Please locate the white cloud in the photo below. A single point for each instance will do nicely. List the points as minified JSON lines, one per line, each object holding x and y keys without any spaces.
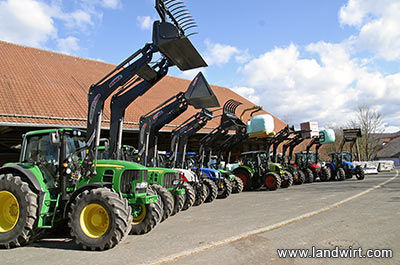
{"x":326,"y":89}
{"x":68,"y":45}
{"x":25,"y":22}
{"x":378,"y":23}
{"x":145,"y":22}
{"x":219,"y":54}
{"x":114,"y":4}
{"x":392,"y":129}
{"x":248,"y":93}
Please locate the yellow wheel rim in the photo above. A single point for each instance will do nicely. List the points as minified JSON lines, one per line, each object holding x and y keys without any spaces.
{"x":9,"y":211}
{"x":94,"y":220}
{"x":139,"y":213}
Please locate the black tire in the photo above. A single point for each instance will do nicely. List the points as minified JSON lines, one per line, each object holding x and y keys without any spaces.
{"x":237,"y":185}
{"x":119,"y":218}
{"x":309,"y":176}
{"x":190,"y":196}
{"x":200,"y":192}
{"x":23,"y":230}
{"x":167,"y":200}
{"x":245,"y":176}
{"x":153,"y":215}
{"x":289,"y":182}
{"x":360,"y":175}
{"x":325,"y":174}
{"x":212,"y":190}
{"x":272,"y":181}
{"x":226,"y":190}
{"x":341,"y":174}
{"x":301,"y":179}
{"x":179,"y":201}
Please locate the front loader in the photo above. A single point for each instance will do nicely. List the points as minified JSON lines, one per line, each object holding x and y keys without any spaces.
{"x":206,"y":190}
{"x":59,"y":179}
{"x":198,"y":95}
{"x":341,"y":165}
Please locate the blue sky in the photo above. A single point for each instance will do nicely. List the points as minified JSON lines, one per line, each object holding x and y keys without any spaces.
{"x":301,"y":60}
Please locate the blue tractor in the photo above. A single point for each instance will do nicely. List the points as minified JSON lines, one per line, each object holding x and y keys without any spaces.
{"x":341,"y":165}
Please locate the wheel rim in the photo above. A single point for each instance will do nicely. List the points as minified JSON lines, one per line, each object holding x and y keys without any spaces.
{"x":9,"y":211}
{"x":243,"y":178}
{"x":95,"y":220}
{"x":270,"y":181}
{"x":139,"y":213}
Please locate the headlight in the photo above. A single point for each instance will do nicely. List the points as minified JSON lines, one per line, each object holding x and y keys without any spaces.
{"x":141,"y":185}
{"x":68,"y":171}
{"x":175,"y":182}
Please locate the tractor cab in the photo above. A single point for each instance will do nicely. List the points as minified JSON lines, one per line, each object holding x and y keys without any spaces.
{"x":257,"y":161}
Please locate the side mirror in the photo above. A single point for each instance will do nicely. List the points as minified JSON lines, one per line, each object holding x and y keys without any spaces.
{"x":55,"y":138}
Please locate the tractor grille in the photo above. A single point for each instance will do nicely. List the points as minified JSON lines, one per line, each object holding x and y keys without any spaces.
{"x":168,"y":179}
{"x":128,"y":177}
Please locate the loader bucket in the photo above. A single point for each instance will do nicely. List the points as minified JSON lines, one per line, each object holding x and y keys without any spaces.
{"x":179,"y":50}
{"x":171,"y":36}
{"x":200,"y":94}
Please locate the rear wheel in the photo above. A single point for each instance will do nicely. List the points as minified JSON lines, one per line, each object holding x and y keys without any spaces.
{"x":212,"y":190}
{"x":309,"y":177}
{"x":167,"y":200}
{"x":341,"y":174}
{"x":201,"y":193}
{"x":325,"y":174}
{"x":146,"y":216}
{"x":226,"y":189}
{"x":237,"y":185}
{"x":245,"y":176}
{"x":272,"y":181}
{"x":360,"y":173}
{"x":99,"y":219}
{"x":190,"y":196}
{"x":18,"y":211}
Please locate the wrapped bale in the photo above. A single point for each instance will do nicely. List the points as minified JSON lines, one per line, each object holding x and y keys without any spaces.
{"x":327,"y":136}
{"x":261,"y":126}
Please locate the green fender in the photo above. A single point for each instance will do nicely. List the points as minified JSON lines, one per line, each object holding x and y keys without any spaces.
{"x":245,"y":168}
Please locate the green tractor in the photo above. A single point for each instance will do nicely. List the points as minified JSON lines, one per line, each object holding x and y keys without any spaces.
{"x":49,"y":186}
{"x":256,"y":171}
{"x":167,"y":183}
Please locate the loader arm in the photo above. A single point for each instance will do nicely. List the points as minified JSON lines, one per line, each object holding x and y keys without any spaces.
{"x":199,"y":95}
{"x":181,"y":135}
{"x":121,"y":100}
{"x":99,"y":92}
{"x":229,"y":121}
{"x":280,"y":137}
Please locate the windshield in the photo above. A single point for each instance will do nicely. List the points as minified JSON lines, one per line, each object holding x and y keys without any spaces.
{"x":73,"y":144}
{"x":40,"y":149}
{"x":347,"y":157}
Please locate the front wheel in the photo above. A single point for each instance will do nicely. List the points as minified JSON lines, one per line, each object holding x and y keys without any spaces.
{"x":146,"y":216}
{"x":309,"y":176}
{"x":245,"y":177}
{"x":99,"y":219}
{"x":360,"y":175}
{"x":18,"y":211}
{"x":289,"y":180}
{"x":212,"y":190}
{"x":226,"y":189}
{"x":167,"y":200}
{"x":190,"y":196}
{"x":341,"y":174}
{"x":272,"y":181}
{"x":325,"y":174}
{"x":200,"y":192}
{"x":237,"y":185}
{"x":179,"y":201}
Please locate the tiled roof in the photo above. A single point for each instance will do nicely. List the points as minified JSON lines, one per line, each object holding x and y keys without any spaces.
{"x":390,"y":149}
{"x":45,"y":88}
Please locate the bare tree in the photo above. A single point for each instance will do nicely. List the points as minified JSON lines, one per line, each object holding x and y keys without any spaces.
{"x":371,"y":124}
